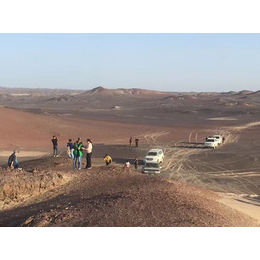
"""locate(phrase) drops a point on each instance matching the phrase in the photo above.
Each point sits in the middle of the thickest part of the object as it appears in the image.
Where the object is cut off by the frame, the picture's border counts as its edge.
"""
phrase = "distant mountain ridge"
(124, 92)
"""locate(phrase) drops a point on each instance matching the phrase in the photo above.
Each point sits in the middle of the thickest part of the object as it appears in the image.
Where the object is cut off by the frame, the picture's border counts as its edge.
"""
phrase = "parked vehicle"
(154, 155)
(211, 143)
(218, 138)
(151, 168)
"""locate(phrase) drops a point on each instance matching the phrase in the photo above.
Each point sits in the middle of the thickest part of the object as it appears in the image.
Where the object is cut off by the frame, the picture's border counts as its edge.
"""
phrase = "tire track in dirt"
(226, 173)
(151, 138)
(178, 162)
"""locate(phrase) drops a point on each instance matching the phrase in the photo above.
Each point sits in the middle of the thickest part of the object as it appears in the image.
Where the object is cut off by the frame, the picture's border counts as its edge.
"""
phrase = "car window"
(152, 154)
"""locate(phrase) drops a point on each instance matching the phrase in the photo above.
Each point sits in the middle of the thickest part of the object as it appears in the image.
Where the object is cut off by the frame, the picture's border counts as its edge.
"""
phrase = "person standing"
(13, 161)
(89, 154)
(136, 142)
(78, 152)
(130, 141)
(136, 163)
(55, 146)
(70, 149)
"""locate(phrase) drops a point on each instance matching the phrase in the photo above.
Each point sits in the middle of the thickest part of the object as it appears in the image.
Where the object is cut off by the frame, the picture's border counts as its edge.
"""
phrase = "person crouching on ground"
(88, 148)
(13, 161)
(78, 152)
(107, 159)
(70, 149)
(127, 164)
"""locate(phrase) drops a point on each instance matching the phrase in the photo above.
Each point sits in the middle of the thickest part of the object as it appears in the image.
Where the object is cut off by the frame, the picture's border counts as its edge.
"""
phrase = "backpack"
(11, 159)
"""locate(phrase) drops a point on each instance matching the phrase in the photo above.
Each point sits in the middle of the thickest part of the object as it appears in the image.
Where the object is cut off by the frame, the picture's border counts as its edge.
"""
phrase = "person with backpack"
(78, 152)
(13, 161)
(55, 146)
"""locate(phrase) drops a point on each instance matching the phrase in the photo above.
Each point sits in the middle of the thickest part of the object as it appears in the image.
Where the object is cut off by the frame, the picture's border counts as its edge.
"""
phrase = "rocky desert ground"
(196, 187)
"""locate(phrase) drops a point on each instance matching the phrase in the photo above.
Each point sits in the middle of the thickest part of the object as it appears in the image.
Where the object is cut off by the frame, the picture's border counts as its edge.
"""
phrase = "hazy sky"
(169, 62)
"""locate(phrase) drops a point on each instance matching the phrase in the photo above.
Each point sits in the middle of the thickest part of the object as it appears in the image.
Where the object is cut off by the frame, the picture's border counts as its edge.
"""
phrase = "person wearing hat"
(78, 152)
(13, 161)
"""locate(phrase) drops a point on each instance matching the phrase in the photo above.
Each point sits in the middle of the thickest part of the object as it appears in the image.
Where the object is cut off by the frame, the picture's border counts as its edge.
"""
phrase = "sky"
(167, 62)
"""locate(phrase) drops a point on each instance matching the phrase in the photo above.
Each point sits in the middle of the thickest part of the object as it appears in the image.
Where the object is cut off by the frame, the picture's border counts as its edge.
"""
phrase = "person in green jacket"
(78, 152)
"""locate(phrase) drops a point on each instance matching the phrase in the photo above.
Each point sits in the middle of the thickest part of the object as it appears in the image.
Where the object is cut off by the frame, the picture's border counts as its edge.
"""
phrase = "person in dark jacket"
(13, 161)
(70, 149)
(55, 146)
(136, 142)
(136, 163)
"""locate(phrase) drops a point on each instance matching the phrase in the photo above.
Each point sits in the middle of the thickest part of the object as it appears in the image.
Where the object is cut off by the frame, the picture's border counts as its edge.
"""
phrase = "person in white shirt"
(88, 148)
(127, 164)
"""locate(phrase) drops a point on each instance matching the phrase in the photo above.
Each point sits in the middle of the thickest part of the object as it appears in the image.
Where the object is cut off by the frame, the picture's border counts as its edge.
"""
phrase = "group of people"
(136, 141)
(75, 151)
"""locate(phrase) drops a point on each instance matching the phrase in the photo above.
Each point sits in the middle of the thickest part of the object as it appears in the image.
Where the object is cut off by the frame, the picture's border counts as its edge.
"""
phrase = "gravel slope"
(114, 196)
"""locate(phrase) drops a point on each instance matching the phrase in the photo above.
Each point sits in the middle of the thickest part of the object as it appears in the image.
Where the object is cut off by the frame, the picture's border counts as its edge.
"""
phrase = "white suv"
(218, 138)
(211, 142)
(154, 156)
